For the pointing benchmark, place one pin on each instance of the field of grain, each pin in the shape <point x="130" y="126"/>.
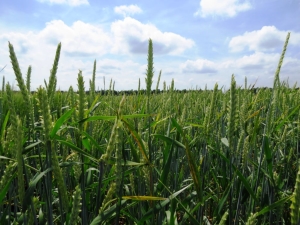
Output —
<point x="148" y="157"/>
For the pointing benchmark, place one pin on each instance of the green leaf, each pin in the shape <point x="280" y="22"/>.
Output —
<point x="137" y="139"/>
<point x="86" y="143"/>
<point x="31" y="146"/>
<point x="240" y="175"/>
<point x="191" y="161"/>
<point x="295" y="110"/>
<point x="169" y="140"/>
<point x="274" y="205"/>
<point x="160" y="205"/>
<point x="31" y="188"/>
<point x="76" y="149"/>
<point x="93" y="141"/>
<point x="268" y="153"/>
<point x="4" y="125"/>
<point x="166" y="167"/>
<point x="61" y="121"/>
<point x="106" y="214"/>
<point x="95" y="118"/>
<point x="6" y="187"/>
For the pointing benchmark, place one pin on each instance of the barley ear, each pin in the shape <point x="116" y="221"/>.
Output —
<point x="44" y="107"/>
<point x="43" y="101"/>
<point x="52" y="79"/>
<point x="19" y="157"/>
<point x="295" y="206"/>
<point x="150" y="68"/>
<point x="93" y="85"/>
<point x="224" y="218"/>
<point x="111" y="191"/>
<point x="76" y="206"/>
<point x="232" y="113"/>
<point x="9" y="169"/>
<point x="158" y="80"/>
<point x="82" y="100"/>
<point x="276" y="79"/>
<point x="209" y="116"/>
<point x="28" y="77"/>
<point x="19" y="78"/>
<point x="251" y="219"/>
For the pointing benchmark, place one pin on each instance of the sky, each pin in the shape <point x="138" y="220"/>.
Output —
<point x="198" y="43"/>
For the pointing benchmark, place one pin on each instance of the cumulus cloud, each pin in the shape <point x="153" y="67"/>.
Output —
<point x="131" y="36"/>
<point x="258" y="61"/>
<point x="127" y="10"/>
<point x="79" y="39"/>
<point x="67" y="2"/>
<point x="224" y="8"/>
<point x="259" y="68"/>
<point x="81" y="44"/>
<point x="268" y="38"/>
<point x="38" y="49"/>
<point x="199" y="66"/>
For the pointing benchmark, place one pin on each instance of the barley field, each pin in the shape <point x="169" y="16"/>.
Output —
<point x="148" y="156"/>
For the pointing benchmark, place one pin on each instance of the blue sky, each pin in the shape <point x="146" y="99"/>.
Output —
<point x="196" y="42"/>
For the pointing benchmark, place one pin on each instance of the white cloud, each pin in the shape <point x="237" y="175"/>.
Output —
<point x="38" y="49"/>
<point x="126" y="10"/>
<point x="225" y="8"/>
<point x="258" y="61"/>
<point x="199" y="66"/>
<point x="79" y="39"/>
<point x="259" y="68"/>
<point x="131" y="36"/>
<point x="268" y="38"/>
<point x="81" y="44"/>
<point x="67" y="2"/>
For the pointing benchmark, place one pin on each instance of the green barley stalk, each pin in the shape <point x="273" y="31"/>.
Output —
<point x="104" y="82"/>
<point x="18" y="145"/>
<point x="31" y="216"/>
<point x="276" y="79"/>
<point x="231" y="128"/>
<point x="158" y="80"/>
<point x="21" y="83"/>
<point x="251" y="220"/>
<point x="28" y="77"/>
<point x="45" y="109"/>
<point x="232" y="113"/>
<point x="111" y="143"/>
<point x="52" y="79"/>
<point x="139" y="86"/>
<point x="76" y="206"/>
<point x="93" y="86"/>
<point x="149" y="81"/>
<point x="209" y="115"/>
<point x="81" y="100"/>
<point x="224" y="218"/>
<point x="81" y="114"/>
<point x="295" y="206"/>
<point x="19" y="157"/>
<point x="110" y="193"/>
<point x="3" y="85"/>
<point x="11" y="106"/>
<point x="8" y="171"/>
<point x="73" y="103"/>
<point x="119" y="146"/>
<point x="59" y="104"/>
<point x="150" y="69"/>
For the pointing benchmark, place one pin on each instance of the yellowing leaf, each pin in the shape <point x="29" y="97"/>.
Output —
<point x="143" y="198"/>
